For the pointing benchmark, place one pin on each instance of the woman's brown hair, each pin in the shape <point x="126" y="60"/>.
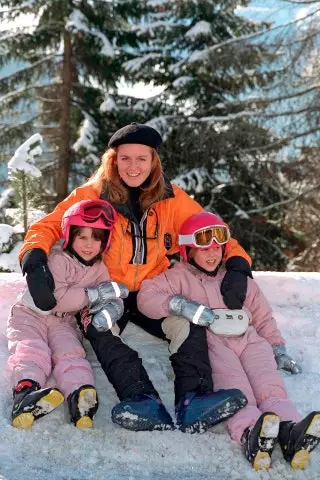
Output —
<point x="108" y="180"/>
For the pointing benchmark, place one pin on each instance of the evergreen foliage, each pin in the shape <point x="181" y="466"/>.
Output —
<point x="202" y="52"/>
<point x="69" y="53"/>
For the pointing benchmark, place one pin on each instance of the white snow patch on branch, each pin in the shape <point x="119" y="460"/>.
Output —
<point x="87" y="134"/>
<point x="195" y="179"/>
<point x="201" y="28"/>
<point x="77" y="21"/>
<point x="5" y="197"/>
<point x="135" y="64"/>
<point x="182" y="81"/>
<point x="24" y="157"/>
<point x="108" y="104"/>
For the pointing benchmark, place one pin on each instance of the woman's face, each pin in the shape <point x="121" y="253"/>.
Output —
<point x="207" y="258"/>
<point x="134" y="163"/>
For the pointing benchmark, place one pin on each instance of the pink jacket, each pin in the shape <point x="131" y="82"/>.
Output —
<point x="71" y="278"/>
<point x="41" y="343"/>
<point x="184" y="279"/>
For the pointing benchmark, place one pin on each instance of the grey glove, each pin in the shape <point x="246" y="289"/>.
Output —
<point x="192" y="311"/>
<point x="102" y="293"/>
<point x="284" y="361"/>
<point x="108" y="315"/>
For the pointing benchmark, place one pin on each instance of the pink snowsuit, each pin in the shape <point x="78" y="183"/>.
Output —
<point x="245" y="361"/>
<point x="39" y="343"/>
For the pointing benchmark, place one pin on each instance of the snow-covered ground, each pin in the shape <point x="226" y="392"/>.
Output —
<point x="55" y="450"/>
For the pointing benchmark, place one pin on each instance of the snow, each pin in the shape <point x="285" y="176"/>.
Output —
<point x="87" y="135"/>
<point x="201" y="28"/>
<point x="9" y="261"/>
<point x="108" y="104"/>
<point x="182" y="81"/>
<point x="55" y="450"/>
<point x="135" y="64"/>
<point x="5" y="197"/>
<point x="6" y="232"/>
<point x="195" y="179"/>
<point x="24" y="157"/>
<point x="78" y="22"/>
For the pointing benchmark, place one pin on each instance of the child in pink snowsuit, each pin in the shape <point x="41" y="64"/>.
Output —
<point x="245" y="346"/>
<point x="41" y="343"/>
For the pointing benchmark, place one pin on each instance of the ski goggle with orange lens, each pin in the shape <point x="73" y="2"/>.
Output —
<point x="205" y="237"/>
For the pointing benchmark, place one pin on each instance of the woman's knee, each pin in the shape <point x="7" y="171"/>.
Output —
<point x="176" y="330"/>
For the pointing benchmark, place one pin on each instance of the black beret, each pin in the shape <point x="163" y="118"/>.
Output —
<point x="136" y="133"/>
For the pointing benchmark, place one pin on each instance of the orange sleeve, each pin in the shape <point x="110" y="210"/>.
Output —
<point x="47" y="231"/>
<point x="234" y="249"/>
<point x="187" y="207"/>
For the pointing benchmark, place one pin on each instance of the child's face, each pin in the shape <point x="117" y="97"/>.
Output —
<point x="207" y="258"/>
<point x="86" y="245"/>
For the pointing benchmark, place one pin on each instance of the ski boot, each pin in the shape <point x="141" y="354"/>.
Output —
<point x="31" y="402"/>
<point x="196" y="412"/>
<point x="297" y="440"/>
<point x="258" y="441"/>
<point x="83" y="404"/>
<point x="142" y="412"/>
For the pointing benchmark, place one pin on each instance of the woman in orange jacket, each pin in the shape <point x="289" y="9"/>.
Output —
<point x="150" y="213"/>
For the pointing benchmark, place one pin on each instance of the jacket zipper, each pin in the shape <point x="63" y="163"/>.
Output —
<point x="122" y="244"/>
<point x="144" y="216"/>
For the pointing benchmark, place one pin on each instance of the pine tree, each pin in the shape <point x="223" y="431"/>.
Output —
<point x="209" y="59"/>
<point x="69" y="55"/>
<point x="21" y="204"/>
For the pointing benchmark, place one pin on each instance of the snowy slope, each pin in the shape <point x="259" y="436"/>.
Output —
<point x="54" y="450"/>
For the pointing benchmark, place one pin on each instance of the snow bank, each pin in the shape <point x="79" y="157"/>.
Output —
<point x="55" y="450"/>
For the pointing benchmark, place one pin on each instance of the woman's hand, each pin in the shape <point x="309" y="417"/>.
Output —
<point x="40" y="281"/>
<point x="235" y="282"/>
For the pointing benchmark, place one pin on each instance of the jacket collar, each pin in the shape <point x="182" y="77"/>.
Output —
<point x="124" y="208"/>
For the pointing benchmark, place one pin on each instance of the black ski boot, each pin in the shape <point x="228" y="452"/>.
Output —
<point x="144" y="412"/>
<point x="31" y="402"/>
<point x="297" y="440"/>
<point x="258" y="441"/>
<point x="83" y="404"/>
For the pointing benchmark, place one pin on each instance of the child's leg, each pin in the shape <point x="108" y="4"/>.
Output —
<point x="30" y="356"/>
<point x="227" y="372"/>
<point x="73" y="372"/>
<point x="266" y="381"/>
<point x="71" y="369"/>
<point x="30" y="361"/>
<point x="257" y="433"/>
<point x="297" y="437"/>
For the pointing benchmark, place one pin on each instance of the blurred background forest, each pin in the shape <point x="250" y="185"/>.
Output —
<point x="232" y="85"/>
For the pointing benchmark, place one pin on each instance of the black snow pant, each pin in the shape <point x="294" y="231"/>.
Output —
<point x="123" y="366"/>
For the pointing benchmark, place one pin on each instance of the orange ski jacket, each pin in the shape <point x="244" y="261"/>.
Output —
<point x="137" y="251"/>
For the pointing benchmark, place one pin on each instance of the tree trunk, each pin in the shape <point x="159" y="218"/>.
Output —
<point x="62" y="174"/>
<point x="24" y="203"/>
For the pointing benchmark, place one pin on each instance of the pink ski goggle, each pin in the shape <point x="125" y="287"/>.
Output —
<point x="92" y="212"/>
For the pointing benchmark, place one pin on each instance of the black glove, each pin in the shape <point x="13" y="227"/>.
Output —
<point x="235" y="282"/>
<point x="39" y="278"/>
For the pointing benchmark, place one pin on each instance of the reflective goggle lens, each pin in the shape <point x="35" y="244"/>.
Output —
<point x="205" y="237"/>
